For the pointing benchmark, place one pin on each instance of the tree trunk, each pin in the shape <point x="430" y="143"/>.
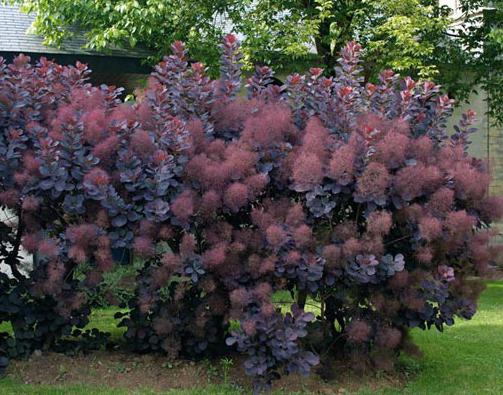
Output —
<point x="301" y="299"/>
<point x="323" y="48"/>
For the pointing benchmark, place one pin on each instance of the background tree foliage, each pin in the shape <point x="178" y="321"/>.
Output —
<point x="482" y="41"/>
<point x="410" y="36"/>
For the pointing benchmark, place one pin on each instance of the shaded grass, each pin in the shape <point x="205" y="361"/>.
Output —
<point x="6" y="327"/>
<point x="465" y="359"/>
<point x="10" y="386"/>
<point x="103" y="319"/>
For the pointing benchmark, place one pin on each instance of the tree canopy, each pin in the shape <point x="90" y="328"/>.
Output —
<point x="410" y="36"/>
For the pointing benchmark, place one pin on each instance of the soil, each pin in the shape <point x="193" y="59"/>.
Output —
<point x="131" y="371"/>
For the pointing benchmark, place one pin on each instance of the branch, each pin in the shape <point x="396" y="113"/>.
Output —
<point x="12" y="258"/>
<point x="452" y="35"/>
<point x="397" y="240"/>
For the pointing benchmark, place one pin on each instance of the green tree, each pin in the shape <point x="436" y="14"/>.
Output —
<point x="410" y="36"/>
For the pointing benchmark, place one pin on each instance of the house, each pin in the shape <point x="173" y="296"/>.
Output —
<point x="487" y="142"/>
<point x="116" y="66"/>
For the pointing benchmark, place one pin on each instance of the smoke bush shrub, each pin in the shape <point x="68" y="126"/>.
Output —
<point x="350" y="194"/>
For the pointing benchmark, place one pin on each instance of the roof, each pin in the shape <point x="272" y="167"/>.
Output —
<point x="14" y="37"/>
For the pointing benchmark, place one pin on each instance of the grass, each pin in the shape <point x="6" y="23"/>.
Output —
<point x="104" y="320"/>
<point x="12" y="387"/>
<point x="466" y="359"/>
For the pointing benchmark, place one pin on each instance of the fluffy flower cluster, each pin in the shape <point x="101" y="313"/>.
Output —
<point x="349" y="196"/>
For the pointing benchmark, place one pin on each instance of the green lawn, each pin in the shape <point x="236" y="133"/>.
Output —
<point x="468" y="357"/>
<point x="465" y="359"/>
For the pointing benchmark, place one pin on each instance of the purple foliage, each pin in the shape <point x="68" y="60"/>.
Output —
<point x="346" y="195"/>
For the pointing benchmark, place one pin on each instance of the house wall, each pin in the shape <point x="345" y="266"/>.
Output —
<point x="487" y="142"/>
<point x="454" y="5"/>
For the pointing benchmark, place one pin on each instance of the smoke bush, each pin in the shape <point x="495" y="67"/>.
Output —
<point x="353" y="196"/>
